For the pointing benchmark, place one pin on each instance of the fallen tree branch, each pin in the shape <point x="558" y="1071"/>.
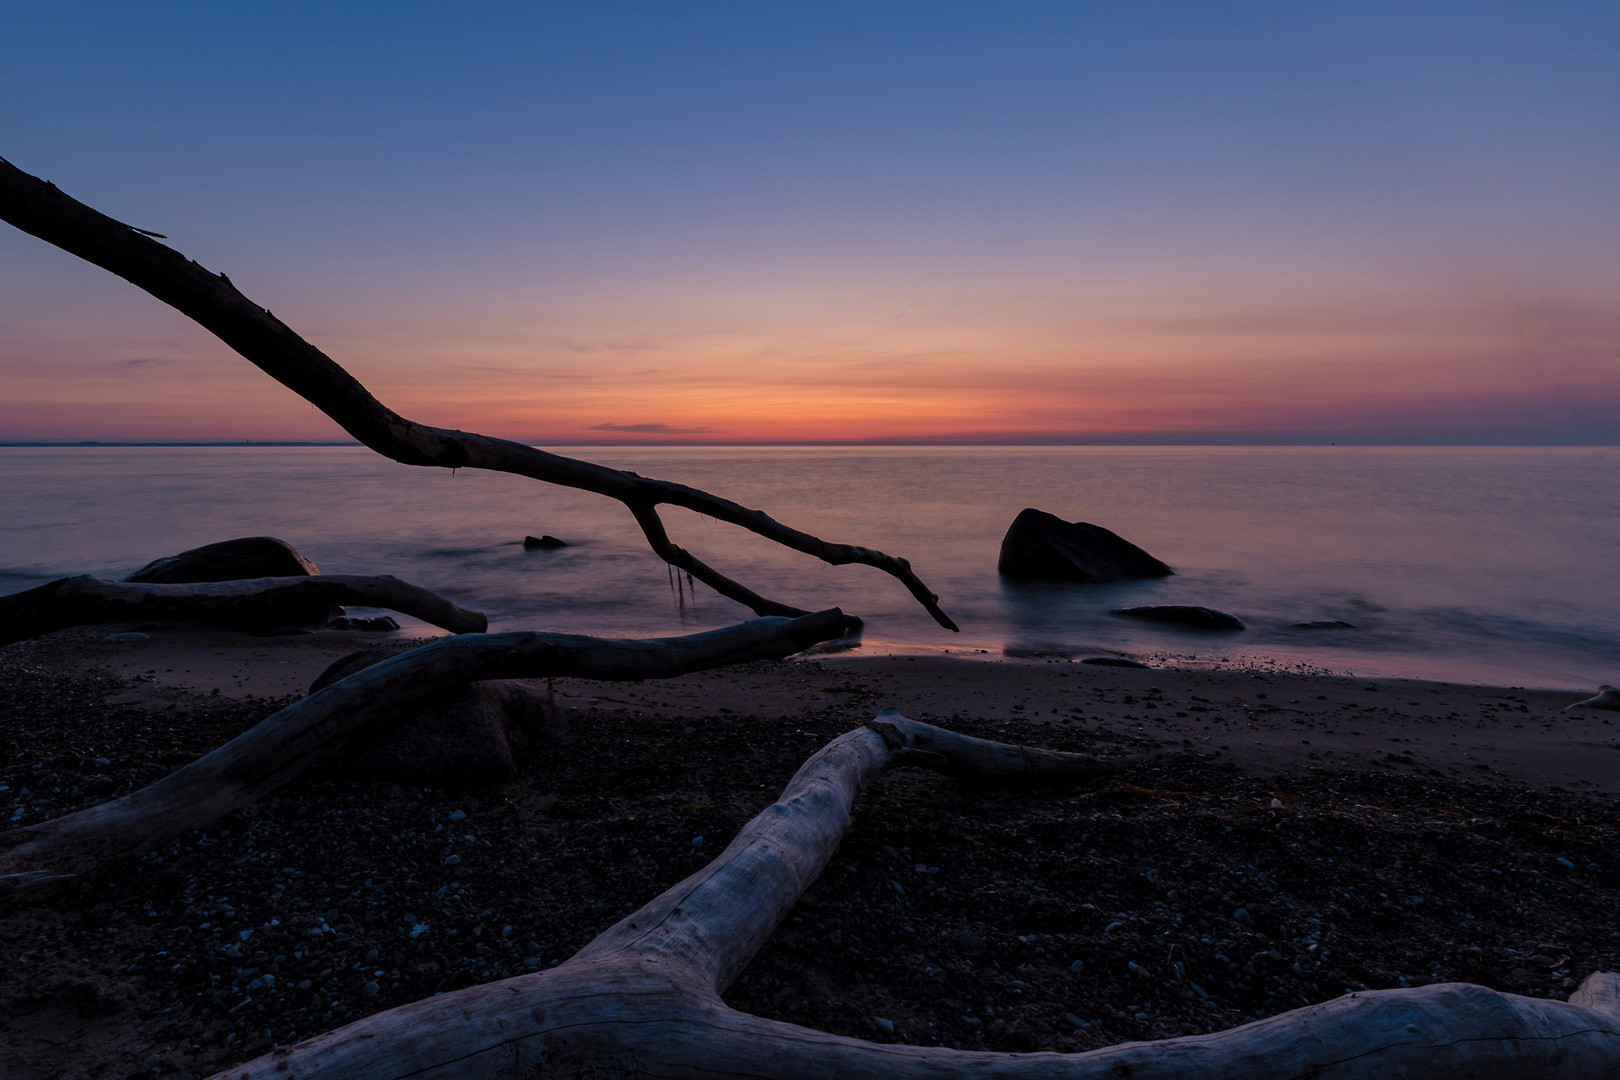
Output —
<point x="41" y="209"/>
<point x="276" y="750"/>
<point x="85" y="601"/>
<point x="643" y="998"/>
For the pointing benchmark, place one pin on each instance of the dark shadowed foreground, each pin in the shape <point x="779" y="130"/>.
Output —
<point x="951" y="915"/>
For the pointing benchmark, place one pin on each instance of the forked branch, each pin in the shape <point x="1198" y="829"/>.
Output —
<point x="643" y="999"/>
<point x="40" y="209"/>
<point x="277" y="749"/>
<point x="85" y="601"/>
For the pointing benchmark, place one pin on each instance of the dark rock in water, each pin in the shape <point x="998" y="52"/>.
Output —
<point x="380" y="624"/>
<point x="530" y="543"/>
<point x="468" y="736"/>
<point x="1112" y="661"/>
<point x="1043" y="547"/>
<point x="1200" y="618"/>
<point x="1326" y="624"/>
<point x="229" y="560"/>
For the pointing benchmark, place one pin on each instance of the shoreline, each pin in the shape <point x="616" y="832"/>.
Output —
<point x="1265" y="720"/>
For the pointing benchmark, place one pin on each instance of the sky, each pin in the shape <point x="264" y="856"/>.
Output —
<point x="758" y="222"/>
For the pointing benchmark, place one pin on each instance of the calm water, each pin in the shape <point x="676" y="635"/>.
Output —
<point x="1489" y="565"/>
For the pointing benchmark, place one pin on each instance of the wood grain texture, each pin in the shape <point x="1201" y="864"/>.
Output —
<point x="42" y="210"/>
<point x="643" y="999"/>
<point x="277" y="749"/>
<point x="86" y="601"/>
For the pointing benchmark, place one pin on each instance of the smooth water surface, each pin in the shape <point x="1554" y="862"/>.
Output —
<point x="1489" y="565"/>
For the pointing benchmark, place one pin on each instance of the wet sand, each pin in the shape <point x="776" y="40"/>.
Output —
<point x="1264" y="721"/>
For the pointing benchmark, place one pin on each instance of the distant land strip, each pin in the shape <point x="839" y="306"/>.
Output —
<point x="239" y="442"/>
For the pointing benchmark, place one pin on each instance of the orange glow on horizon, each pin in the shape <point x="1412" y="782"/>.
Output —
<point x="680" y="369"/>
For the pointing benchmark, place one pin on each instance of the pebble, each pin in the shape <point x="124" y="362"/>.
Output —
<point x="883" y="1025"/>
<point x="1242" y="915"/>
<point x="458" y="815"/>
<point x="451" y="860"/>
<point x="372" y="989"/>
<point x="697" y="841"/>
<point x="1111" y="927"/>
<point x="1078" y="966"/>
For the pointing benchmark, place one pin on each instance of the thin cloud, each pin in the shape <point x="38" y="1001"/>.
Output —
<point x="649" y="429"/>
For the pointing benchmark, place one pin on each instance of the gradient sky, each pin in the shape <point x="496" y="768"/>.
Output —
<point x="723" y="222"/>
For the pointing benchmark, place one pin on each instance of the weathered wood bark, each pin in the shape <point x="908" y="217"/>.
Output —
<point x="643" y="999"/>
<point x="85" y="601"/>
<point x="40" y="209"/>
<point x="264" y="758"/>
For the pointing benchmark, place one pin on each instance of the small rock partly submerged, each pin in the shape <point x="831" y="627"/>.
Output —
<point x="1199" y="618"/>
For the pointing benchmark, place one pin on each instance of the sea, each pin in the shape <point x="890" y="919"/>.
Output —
<point x="1495" y="566"/>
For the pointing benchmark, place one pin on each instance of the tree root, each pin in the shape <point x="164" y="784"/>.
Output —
<point x="41" y="209"/>
<point x="643" y="998"/>
<point x="85" y="601"/>
<point x="273" y="752"/>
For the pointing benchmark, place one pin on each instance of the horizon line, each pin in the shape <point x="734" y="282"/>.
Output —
<point x="1142" y="443"/>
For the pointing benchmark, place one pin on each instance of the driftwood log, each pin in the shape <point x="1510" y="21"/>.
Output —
<point x="273" y="752"/>
<point x="644" y="998"/>
<point x="86" y="601"/>
<point x="41" y="209"/>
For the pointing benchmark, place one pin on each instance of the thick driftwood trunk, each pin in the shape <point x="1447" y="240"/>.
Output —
<point x="270" y="754"/>
<point x="39" y="208"/>
<point x="85" y="601"/>
<point x="643" y="999"/>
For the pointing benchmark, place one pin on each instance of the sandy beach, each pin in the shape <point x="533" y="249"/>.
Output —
<point x="1266" y="721"/>
<point x="1372" y="833"/>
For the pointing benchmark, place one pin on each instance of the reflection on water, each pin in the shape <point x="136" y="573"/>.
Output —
<point x="1491" y="564"/>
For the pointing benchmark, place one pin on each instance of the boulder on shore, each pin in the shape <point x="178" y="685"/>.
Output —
<point x="1199" y="618"/>
<point x="543" y="543"/>
<point x="237" y="560"/>
<point x="467" y="736"/>
<point x="1043" y="547"/>
<point x="229" y="560"/>
<point x="1607" y="698"/>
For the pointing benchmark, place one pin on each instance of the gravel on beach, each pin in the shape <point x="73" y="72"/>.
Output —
<point x="1183" y="896"/>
